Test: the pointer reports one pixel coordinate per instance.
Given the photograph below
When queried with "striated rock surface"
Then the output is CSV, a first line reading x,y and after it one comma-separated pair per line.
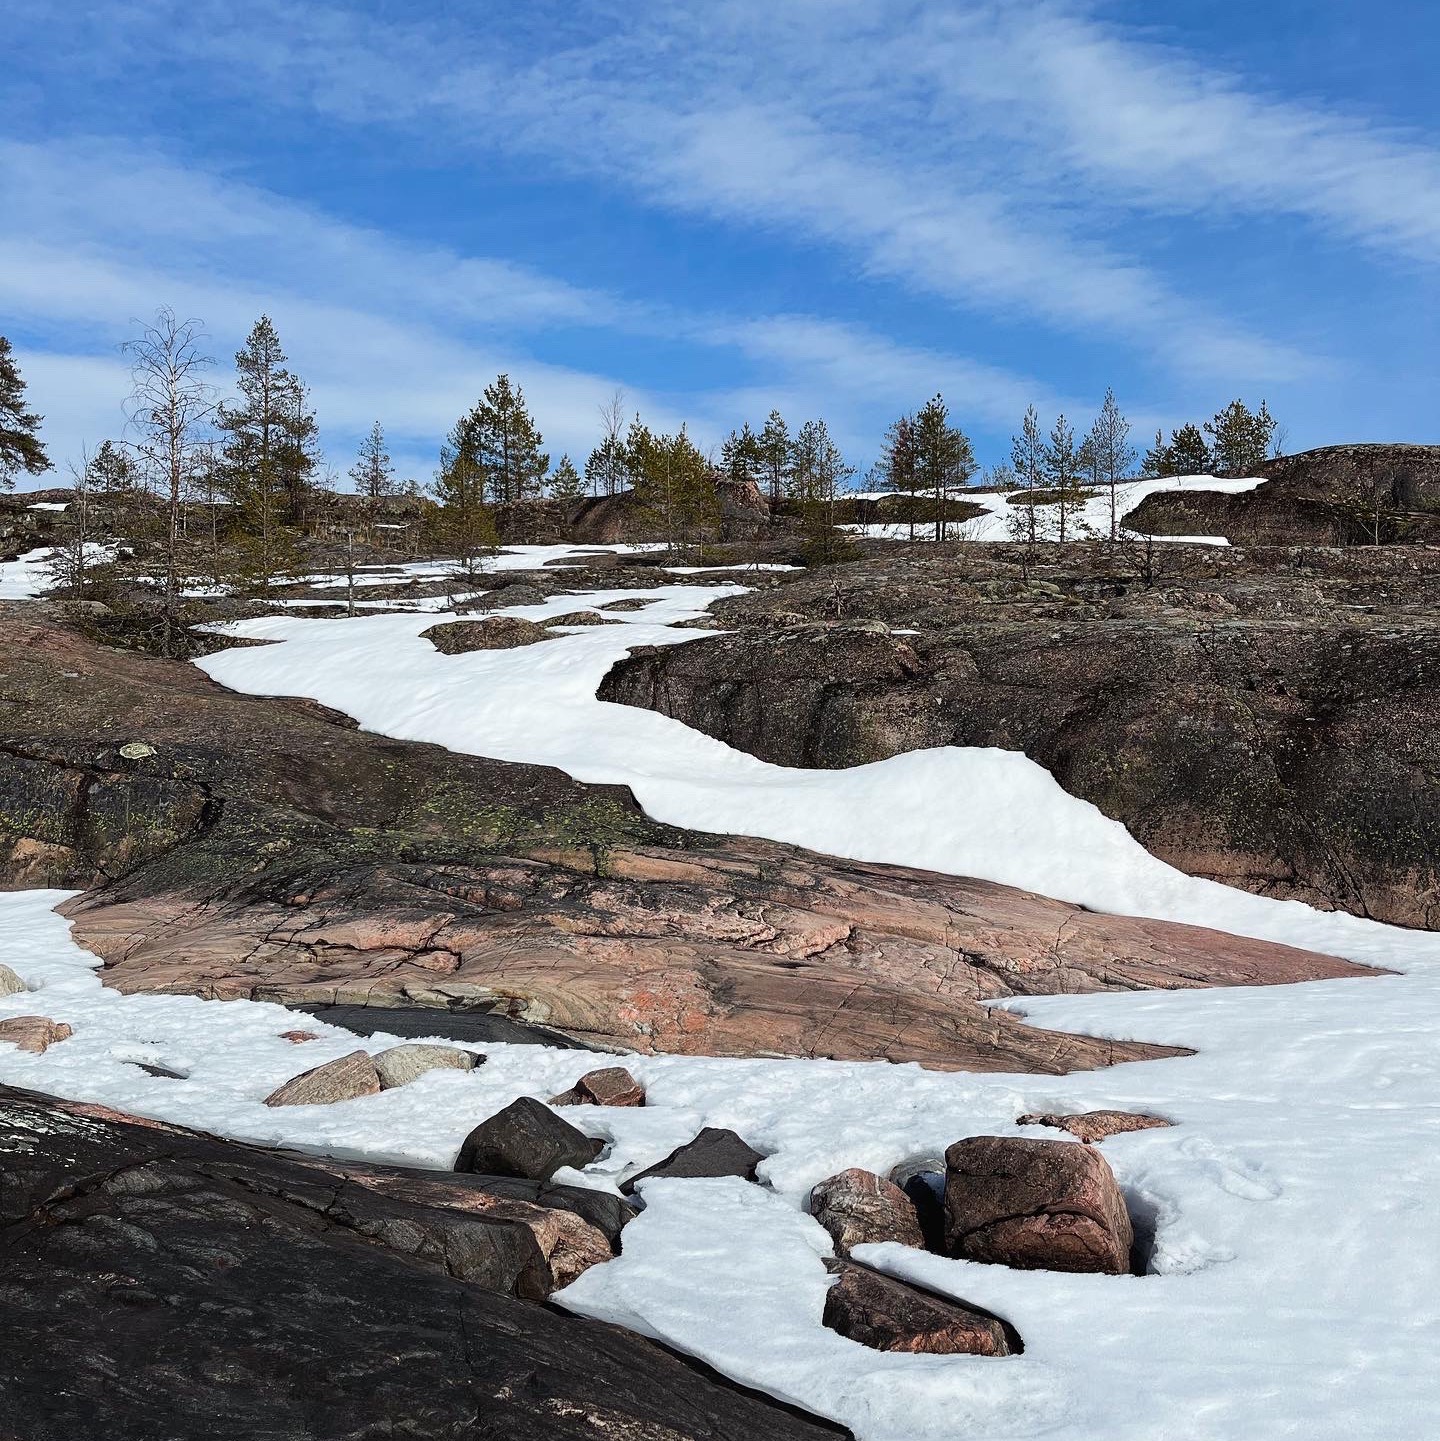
x,y
157,1283
889,1315
344,1079
1261,718
1093,1126
859,1208
1035,1205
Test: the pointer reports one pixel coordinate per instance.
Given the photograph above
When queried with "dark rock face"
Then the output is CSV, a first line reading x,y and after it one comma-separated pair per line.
x,y
501,632
157,1283
714,1152
1035,1205
887,1315
1263,719
859,1208
1336,495
526,1139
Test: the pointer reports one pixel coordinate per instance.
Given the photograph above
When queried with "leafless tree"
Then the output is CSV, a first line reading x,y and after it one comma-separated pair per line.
x,y
169,407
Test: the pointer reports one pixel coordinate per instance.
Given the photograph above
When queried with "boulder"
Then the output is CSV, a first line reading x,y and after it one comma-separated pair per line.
x,y
402,1064
714,1152
340,1080
578,617
10,983
859,1208
888,1315
1035,1205
35,1034
1092,1126
526,1139
163,1283
500,632
609,1086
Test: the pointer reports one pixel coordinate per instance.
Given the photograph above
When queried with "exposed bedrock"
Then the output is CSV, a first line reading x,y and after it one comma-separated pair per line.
x,y
1263,719
329,865
158,1282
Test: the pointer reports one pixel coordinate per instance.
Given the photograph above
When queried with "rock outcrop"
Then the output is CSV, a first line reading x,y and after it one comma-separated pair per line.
x,y
501,632
162,1283
1264,719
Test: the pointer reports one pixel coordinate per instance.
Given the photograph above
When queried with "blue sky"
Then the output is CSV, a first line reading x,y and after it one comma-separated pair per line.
x,y
720,206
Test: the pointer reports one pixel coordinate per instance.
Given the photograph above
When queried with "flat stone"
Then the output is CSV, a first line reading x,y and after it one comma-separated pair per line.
x,y
1035,1205
526,1139
10,983
1096,1125
298,1038
888,1315
402,1064
340,1080
859,1208
714,1152
35,1034
609,1086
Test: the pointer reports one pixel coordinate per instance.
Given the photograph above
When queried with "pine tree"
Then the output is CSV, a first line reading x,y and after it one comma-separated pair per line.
x,y
775,448
674,485
1062,480
111,472
566,484
1189,454
1240,438
372,473
1027,457
463,526
499,436
1158,459
944,457
741,459
20,447
819,470
898,469
267,458
1109,456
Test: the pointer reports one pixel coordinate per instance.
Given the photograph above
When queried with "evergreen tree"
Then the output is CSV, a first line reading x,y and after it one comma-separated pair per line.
x,y
1240,438
674,485
1027,459
1109,456
566,484
897,468
500,437
944,458
372,473
819,471
1189,454
605,471
266,459
1063,480
463,526
1158,460
111,473
20,447
775,448
741,459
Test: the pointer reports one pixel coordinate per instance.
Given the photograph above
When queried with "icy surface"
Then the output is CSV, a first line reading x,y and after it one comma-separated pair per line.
x,y
25,578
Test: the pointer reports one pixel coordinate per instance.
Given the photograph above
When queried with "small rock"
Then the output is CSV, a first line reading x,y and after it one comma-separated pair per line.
x,y
10,983
136,750
609,1086
500,632
579,617
163,1073
1092,1126
35,1034
858,1208
714,1152
342,1080
1035,1205
888,1315
402,1064
298,1038
526,1139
